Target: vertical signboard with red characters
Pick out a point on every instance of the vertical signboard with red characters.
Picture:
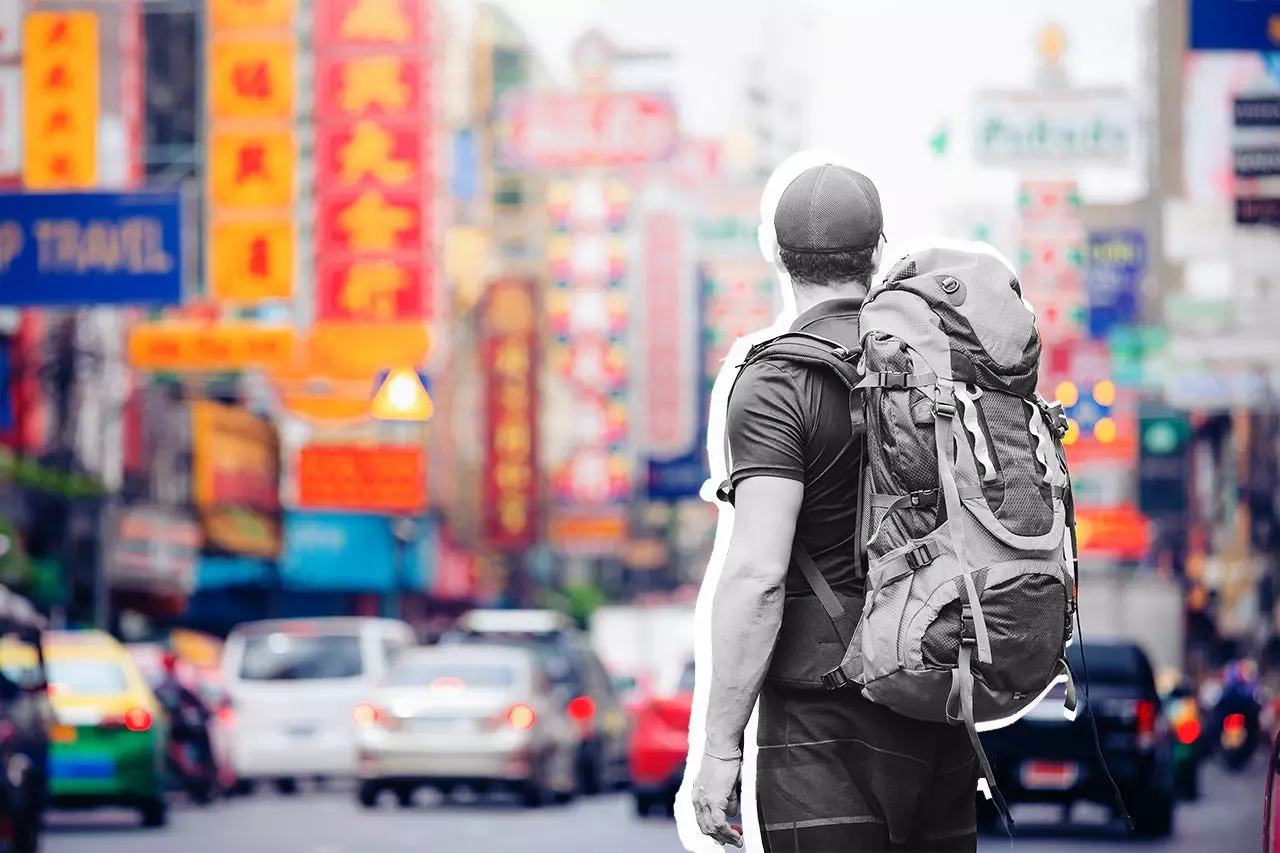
(510, 330)
(588, 313)
(374, 175)
(253, 153)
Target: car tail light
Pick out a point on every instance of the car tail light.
(1188, 731)
(581, 709)
(1145, 712)
(366, 716)
(137, 720)
(521, 717)
(1233, 723)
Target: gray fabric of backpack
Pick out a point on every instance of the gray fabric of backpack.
(966, 506)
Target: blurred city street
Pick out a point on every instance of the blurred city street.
(1227, 818)
(359, 361)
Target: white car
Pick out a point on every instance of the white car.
(480, 717)
(293, 684)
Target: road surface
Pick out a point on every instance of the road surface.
(1228, 817)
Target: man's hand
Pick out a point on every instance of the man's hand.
(715, 798)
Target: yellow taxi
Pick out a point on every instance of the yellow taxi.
(109, 744)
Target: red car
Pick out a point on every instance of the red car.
(660, 743)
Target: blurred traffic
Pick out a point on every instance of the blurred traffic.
(356, 369)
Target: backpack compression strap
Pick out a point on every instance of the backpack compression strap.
(805, 348)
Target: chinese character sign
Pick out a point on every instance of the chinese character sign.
(740, 297)
(253, 158)
(374, 191)
(588, 314)
(511, 429)
(61, 100)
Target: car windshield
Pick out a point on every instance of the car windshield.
(557, 660)
(87, 677)
(1110, 664)
(476, 675)
(686, 680)
(288, 657)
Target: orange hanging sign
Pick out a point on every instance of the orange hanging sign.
(208, 347)
(1121, 532)
(251, 14)
(251, 168)
(380, 479)
(252, 79)
(251, 262)
(61, 100)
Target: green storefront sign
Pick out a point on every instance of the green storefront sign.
(1076, 128)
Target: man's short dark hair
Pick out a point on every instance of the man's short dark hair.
(811, 269)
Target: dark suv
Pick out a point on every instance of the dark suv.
(589, 696)
(1046, 758)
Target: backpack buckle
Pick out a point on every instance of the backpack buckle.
(835, 679)
(944, 408)
(968, 633)
(921, 555)
(893, 380)
(925, 497)
(1058, 417)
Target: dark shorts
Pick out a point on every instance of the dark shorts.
(838, 774)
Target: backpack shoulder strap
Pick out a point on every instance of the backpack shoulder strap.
(814, 350)
(802, 348)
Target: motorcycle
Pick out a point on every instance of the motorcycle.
(190, 758)
(1238, 737)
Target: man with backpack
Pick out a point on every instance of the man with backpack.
(899, 569)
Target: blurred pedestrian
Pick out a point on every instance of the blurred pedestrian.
(835, 772)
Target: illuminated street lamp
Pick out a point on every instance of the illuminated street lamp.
(402, 395)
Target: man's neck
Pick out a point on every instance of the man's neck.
(807, 297)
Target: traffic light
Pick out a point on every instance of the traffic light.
(1089, 415)
(1164, 437)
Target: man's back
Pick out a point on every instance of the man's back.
(789, 420)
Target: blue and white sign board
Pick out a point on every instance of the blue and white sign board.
(91, 248)
(1116, 263)
(354, 552)
(1241, 25)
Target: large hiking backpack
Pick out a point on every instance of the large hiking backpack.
(966, 510)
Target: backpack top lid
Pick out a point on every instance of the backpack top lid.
(978, 300)
(975, 262)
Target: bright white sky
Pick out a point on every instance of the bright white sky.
(883, 75)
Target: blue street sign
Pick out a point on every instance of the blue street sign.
(1248, 25)
(91, 248)
(1117, 261)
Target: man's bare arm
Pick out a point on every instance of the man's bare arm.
(747, 609)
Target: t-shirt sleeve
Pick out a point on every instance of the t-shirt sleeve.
(765, 424)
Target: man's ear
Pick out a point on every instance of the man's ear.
(768, 242)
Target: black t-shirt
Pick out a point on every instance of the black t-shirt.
(792, 420)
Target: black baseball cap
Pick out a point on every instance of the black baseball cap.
(829, 209)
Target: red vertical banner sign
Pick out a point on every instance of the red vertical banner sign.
(670, 348)
(374, 161)
(509, 333)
